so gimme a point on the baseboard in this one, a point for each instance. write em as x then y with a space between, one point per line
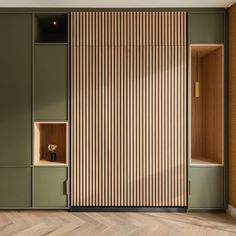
128 209
206 210
231 211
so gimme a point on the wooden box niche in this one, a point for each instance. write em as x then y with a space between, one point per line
207 110
50 133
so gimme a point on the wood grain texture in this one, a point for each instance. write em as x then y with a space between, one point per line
128 108
207 110
50 133
54 223
232 105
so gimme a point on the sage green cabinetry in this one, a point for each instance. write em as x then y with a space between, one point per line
50 187
15 106
50 81
206 189
15 187
33 87
206 27
206 179
51 106
15 89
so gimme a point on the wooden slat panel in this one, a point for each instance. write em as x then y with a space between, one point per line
128 105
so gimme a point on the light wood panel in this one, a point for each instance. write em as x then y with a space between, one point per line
128 108
207 110
232 105
46 133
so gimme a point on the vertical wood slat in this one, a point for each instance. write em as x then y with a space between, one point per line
128 104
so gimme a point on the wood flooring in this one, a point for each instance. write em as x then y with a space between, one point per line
34 223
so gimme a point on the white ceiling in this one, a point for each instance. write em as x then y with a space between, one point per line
117 3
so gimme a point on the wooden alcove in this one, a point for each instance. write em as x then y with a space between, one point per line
207 108
46 133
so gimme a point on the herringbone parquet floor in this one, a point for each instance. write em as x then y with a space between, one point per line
34 223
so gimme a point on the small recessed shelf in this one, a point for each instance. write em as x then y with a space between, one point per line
49 163
51 28
201 161
207 105
46 133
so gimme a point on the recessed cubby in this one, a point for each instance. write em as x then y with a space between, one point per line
207 104
46 133
50 28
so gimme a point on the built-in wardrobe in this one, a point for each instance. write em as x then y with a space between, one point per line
148 109
133 101
207 96
34 91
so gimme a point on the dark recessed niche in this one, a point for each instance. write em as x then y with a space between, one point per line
51 28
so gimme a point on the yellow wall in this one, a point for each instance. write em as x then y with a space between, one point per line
232 106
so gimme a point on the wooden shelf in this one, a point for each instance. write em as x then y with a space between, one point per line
49 163
46 133
201 161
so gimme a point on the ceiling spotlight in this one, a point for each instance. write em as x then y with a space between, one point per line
54 22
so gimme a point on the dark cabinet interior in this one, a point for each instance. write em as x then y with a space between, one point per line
51 28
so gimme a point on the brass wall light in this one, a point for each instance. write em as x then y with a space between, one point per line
197 89
197 84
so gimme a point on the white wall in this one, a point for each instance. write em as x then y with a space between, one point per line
115 3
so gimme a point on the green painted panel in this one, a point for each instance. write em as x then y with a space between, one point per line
207 187
15 89
15 187
50 187
50 82
206 27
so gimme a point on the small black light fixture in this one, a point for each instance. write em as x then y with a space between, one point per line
52 150
54 22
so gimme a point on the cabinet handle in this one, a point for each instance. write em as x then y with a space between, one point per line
67 187
189 188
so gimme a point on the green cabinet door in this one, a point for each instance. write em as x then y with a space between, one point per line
50 82
206 28
50 187
206 187
15 187
15 89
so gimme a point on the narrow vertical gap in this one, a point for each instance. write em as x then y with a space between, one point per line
125 105
138 113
